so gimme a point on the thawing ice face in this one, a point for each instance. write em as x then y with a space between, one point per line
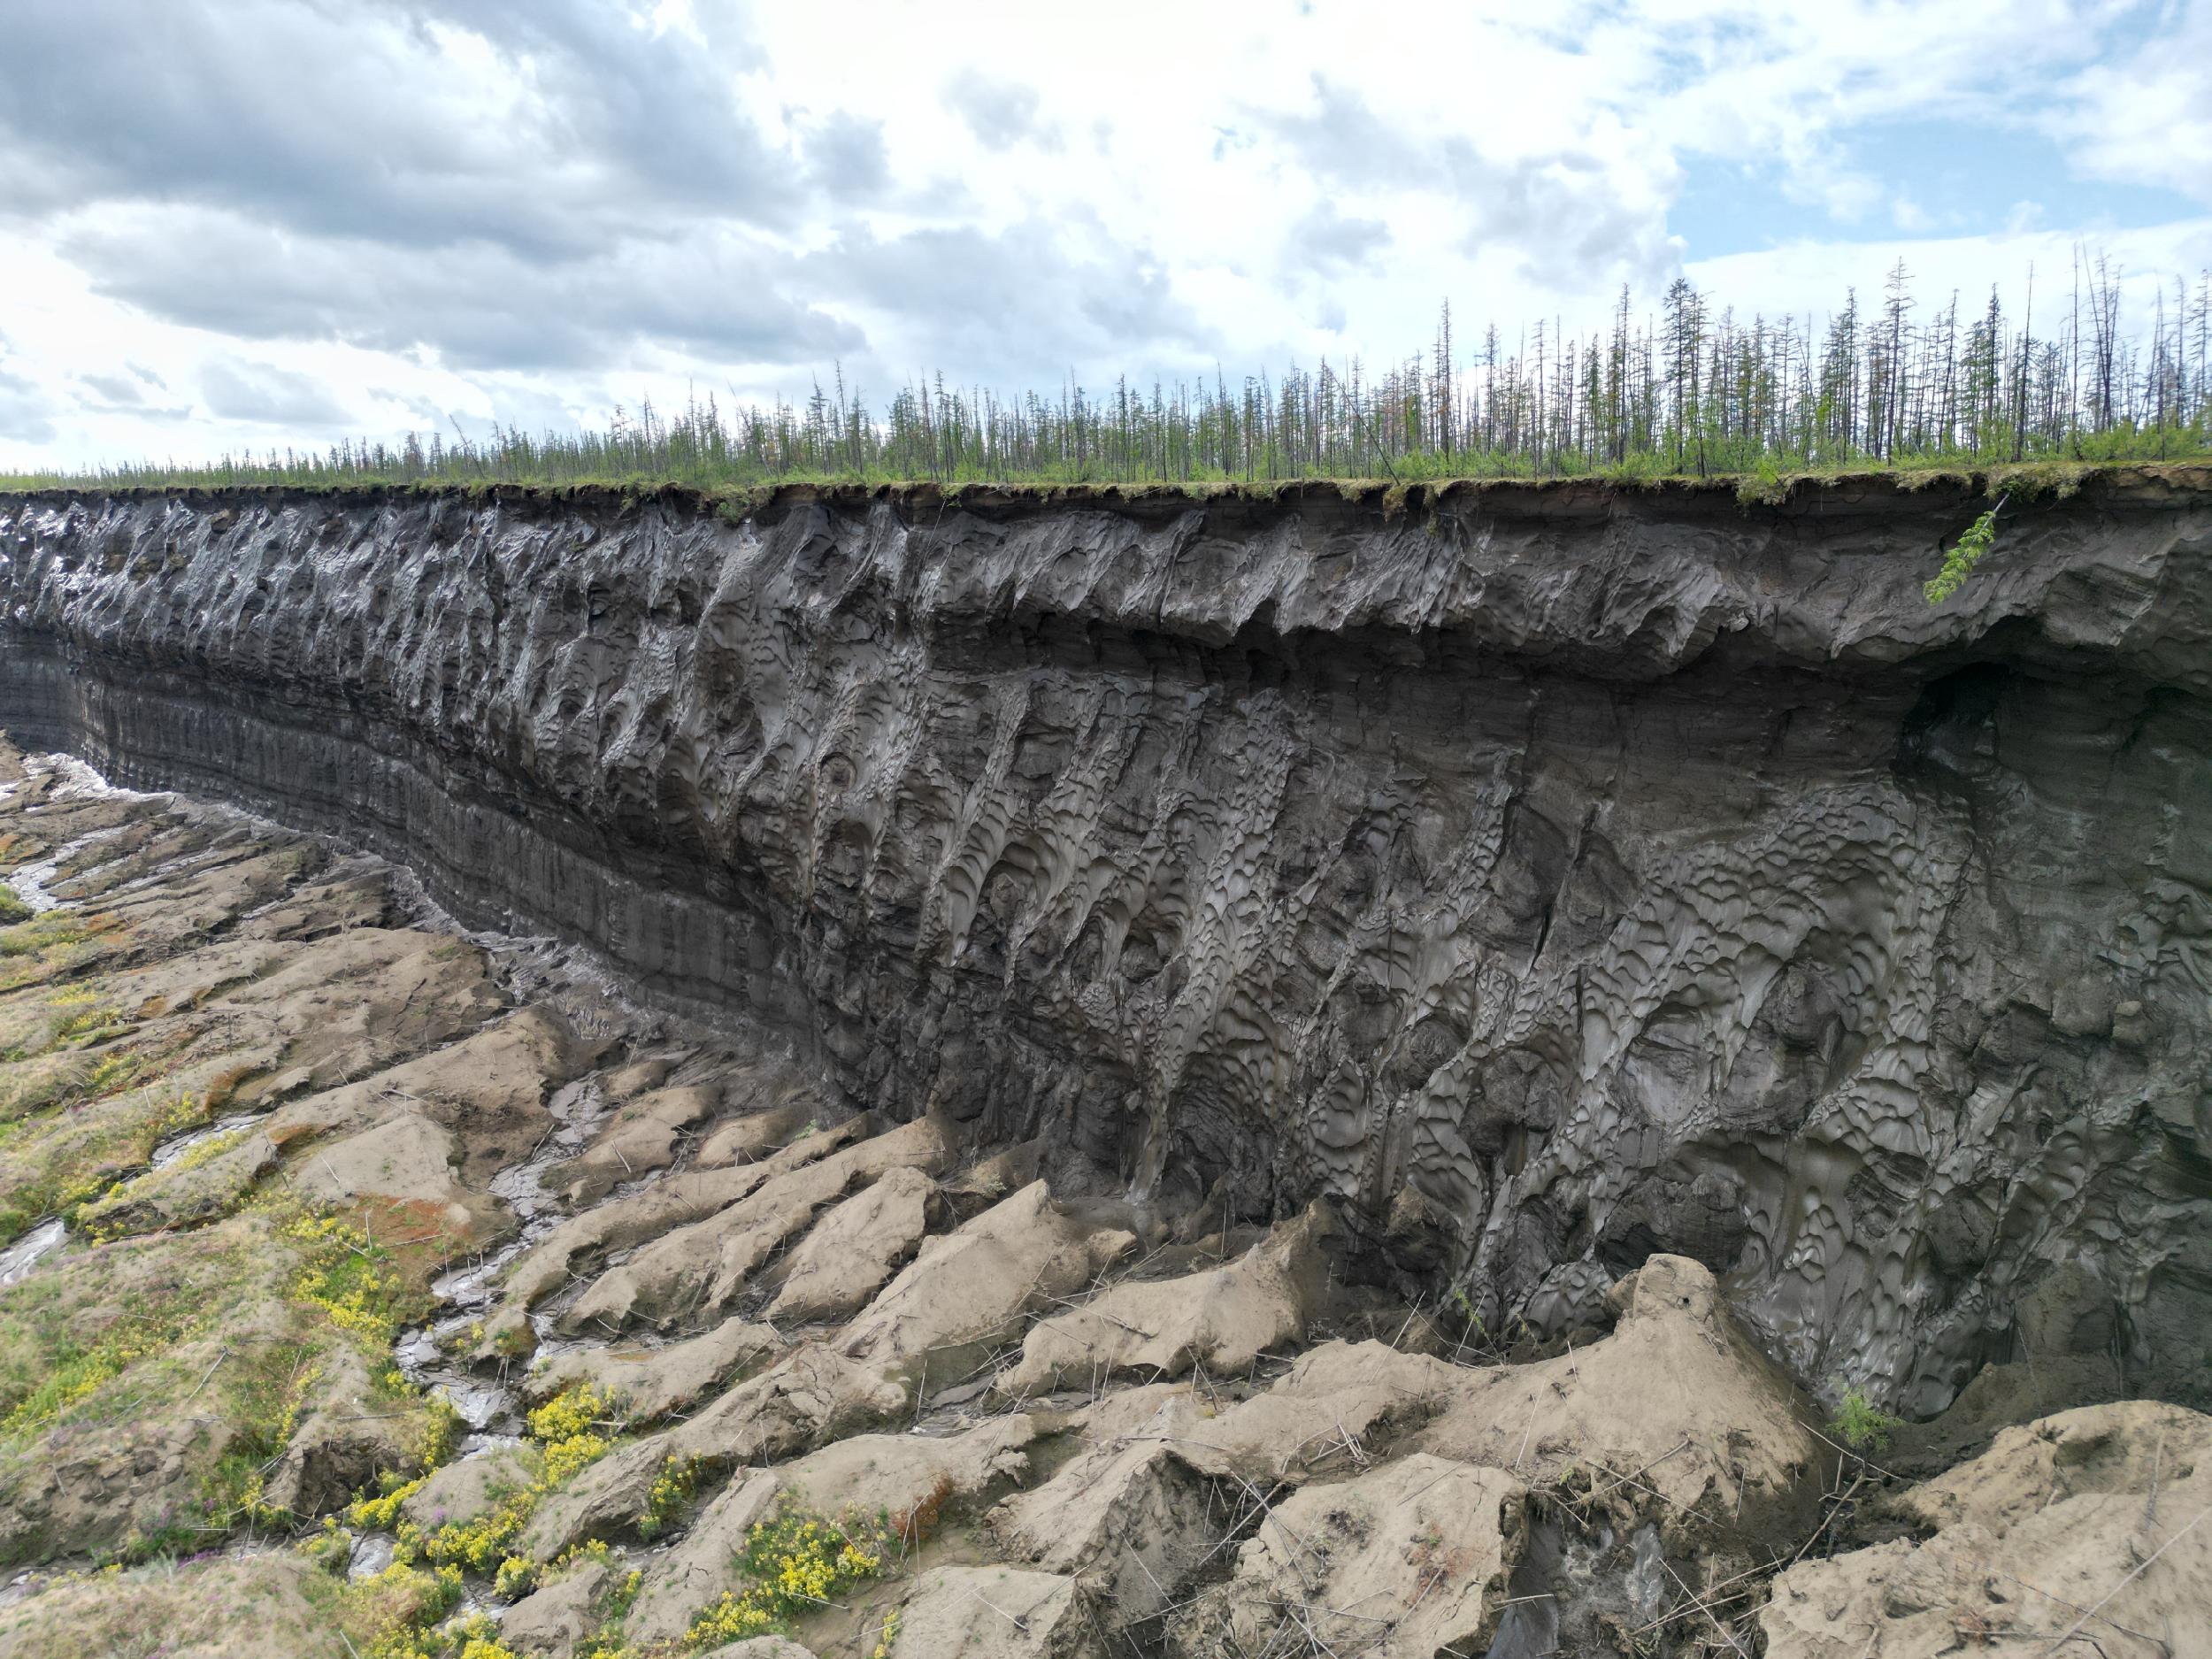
177 1145
75 781
28 1251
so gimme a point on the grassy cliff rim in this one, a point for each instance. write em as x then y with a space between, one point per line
2025 482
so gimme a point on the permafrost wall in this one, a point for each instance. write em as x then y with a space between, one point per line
1552 876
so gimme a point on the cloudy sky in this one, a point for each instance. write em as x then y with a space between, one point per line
229 223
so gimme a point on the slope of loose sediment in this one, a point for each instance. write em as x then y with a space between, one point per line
1402 1563
1221 1320
2090 1531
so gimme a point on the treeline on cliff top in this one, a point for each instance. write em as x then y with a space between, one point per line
1692 389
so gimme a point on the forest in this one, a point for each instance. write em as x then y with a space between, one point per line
1690 388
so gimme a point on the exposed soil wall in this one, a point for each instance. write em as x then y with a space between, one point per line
1553 876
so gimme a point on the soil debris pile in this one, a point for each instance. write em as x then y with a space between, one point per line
2090 1529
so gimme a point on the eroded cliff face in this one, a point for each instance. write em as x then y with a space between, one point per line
1553 877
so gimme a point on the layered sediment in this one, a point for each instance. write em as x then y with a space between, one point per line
1550 878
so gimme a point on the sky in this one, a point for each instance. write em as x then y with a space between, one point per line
234 225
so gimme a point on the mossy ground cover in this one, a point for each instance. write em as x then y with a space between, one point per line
54 945
156 1338
794 1562
77 1113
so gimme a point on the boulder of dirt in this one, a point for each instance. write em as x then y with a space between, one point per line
1675 1410
1221 1320
92 1492
1404 1562
674 1202
760 1647
911 1475
628 1082
464 1491
1997 1397
702 1267
137 1451
2086 1532
915 1478
407 1164
995 1613
208 1182
606 1501
969 1290
698 1567
650 1383
365 999
557 1618
345 1437
425 1135
640 1136
811 1394
490 1089
990 1179
846 1255
751 1138
1337 1403
1128 1515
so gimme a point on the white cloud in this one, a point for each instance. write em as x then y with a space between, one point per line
402 211
2146 118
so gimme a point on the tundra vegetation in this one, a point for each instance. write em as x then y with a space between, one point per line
1688 388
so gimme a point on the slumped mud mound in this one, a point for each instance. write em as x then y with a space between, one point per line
1547 877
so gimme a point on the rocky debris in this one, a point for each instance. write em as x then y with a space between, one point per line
557 1618
1129 1517
346 1436
848 1254
2089 1531
1338 1397
753 1137
643 1136
810 1396
1221 1321
664 1207
915 1478
1405 1562
408 1162
1676 1408
995 1613
473 1488
651 1383
968 1290
700 1268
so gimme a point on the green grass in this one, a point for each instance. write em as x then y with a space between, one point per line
1861 1425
